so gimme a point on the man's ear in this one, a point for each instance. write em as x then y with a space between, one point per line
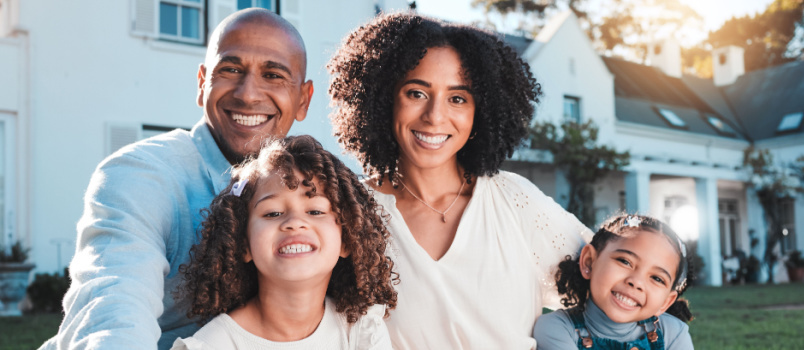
588 257
668 302
306 97
202 71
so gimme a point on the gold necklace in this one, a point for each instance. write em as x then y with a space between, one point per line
443 213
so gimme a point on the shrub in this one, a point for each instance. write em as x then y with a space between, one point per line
47 291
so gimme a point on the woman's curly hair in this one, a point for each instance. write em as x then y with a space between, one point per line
218 280
575 288
375 57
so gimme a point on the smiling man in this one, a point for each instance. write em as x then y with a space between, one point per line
143 205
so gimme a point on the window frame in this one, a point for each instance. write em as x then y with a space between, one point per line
668 121
200 5
577 101
275 6
788 116
726 129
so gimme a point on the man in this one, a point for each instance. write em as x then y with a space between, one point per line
143 205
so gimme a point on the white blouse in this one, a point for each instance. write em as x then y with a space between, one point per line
490 286
334 332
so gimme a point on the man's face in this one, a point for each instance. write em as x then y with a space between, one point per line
252 87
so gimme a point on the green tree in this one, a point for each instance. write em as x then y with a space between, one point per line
772 183
584 162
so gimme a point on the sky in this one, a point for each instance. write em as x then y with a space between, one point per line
714 12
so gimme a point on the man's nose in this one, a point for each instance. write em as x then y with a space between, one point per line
248 89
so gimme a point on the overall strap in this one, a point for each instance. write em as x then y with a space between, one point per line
653 332
578 322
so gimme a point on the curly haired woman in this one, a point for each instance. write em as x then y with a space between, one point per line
432 110
292 256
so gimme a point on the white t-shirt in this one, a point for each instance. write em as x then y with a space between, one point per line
334 332
488 289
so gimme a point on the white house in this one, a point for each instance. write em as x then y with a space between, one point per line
82 78
686 135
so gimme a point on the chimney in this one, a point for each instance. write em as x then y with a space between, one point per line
728 64
666 55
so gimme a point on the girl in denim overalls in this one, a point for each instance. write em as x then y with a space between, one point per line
618 290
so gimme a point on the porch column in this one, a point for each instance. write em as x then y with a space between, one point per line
637 192
708 229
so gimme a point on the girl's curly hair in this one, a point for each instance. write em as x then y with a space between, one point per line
375 57
575 288
217 280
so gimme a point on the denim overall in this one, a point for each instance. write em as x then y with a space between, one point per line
652 340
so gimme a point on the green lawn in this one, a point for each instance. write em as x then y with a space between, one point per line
725 318
737 317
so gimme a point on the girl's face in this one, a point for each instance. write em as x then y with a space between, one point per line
631 279
292 237
433 110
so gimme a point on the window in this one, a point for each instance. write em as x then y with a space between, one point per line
790 122
671 118
266 4
181 20
572 108
720 125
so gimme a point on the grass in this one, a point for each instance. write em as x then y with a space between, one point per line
27 332
737 317
734 317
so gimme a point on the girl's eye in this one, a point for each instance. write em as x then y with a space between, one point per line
316 212
624 261
273 214
659 279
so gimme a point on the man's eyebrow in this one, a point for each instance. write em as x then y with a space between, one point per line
277 65
231 59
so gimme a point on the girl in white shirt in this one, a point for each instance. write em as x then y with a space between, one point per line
292 256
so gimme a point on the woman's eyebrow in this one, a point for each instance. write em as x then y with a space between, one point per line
417 82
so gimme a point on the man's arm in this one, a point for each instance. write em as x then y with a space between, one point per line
120 262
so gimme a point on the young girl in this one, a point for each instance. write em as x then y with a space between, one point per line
633 271
292 256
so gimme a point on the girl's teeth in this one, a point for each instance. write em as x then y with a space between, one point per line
249 120
430 139
625 300
295 249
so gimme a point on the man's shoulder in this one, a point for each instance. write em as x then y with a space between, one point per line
164 148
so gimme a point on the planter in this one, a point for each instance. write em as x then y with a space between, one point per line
796 273
14 279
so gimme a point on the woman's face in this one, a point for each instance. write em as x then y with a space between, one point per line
433 110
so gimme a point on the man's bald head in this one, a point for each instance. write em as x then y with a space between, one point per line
258 16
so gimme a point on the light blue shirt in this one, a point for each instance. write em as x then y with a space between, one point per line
556 331
142 211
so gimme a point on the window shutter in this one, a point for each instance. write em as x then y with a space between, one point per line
219 10
291 11
119 135
144 18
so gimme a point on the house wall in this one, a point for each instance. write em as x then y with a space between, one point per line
88 71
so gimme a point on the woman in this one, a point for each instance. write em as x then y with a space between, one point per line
432 110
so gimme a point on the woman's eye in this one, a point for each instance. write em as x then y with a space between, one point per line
457 99
415 94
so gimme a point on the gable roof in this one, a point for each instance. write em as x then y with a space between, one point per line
641 91
761 99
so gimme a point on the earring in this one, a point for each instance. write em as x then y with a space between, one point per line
586 271
472 136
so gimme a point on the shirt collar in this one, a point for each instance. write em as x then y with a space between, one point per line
217 167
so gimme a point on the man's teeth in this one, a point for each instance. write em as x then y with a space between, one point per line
249 120
625 300
430 139
296 248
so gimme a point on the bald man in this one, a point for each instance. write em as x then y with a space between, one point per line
143 205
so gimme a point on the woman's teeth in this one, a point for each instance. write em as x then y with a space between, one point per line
434 140
295 249
249 120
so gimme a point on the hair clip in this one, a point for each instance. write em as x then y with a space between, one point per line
238 187
682 247
633 221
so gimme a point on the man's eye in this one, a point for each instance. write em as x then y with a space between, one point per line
273 76
230 70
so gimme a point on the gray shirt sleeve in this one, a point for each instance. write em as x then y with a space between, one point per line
555 331
676 333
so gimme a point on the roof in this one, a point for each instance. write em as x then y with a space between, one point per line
763 97
642 91
519 43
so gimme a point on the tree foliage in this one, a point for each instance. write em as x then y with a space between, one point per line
584 162
772 183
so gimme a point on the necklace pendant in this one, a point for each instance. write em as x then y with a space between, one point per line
444 218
